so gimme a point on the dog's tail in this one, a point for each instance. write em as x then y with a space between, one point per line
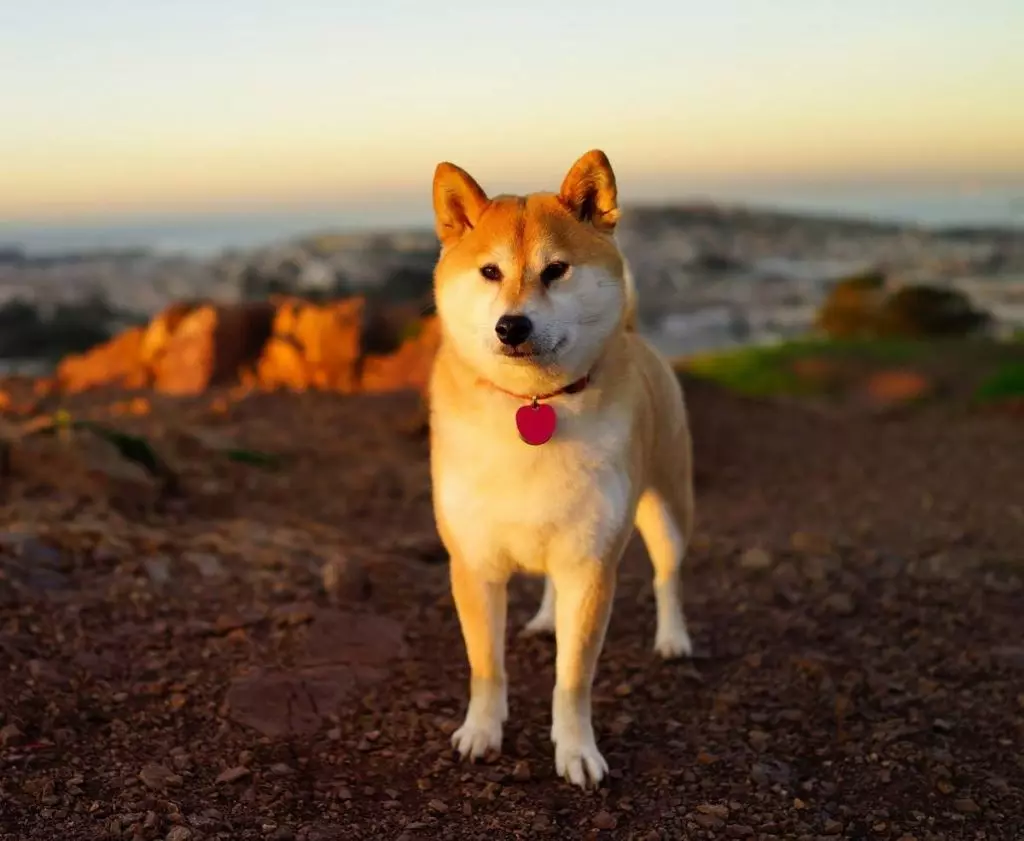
630 317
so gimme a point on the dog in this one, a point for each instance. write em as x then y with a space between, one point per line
555 429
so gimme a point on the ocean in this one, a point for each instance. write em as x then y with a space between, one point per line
206 234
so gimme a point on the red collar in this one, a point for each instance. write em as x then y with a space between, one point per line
573 388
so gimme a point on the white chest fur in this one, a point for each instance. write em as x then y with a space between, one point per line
511 506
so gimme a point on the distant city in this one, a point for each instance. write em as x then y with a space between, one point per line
708 275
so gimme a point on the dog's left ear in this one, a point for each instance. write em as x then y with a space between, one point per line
458 202
589 191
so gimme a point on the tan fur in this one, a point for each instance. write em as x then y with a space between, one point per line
620 458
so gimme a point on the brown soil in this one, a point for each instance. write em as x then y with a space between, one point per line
177 670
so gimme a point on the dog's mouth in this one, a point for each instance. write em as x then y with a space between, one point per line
530 351
517 353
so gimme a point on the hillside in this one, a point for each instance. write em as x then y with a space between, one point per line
267 649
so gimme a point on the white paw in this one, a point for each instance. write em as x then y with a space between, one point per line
577 758
542 623
477 736
673 642
580 763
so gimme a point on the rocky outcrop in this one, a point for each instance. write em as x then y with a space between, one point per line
314 346
118 362
344 346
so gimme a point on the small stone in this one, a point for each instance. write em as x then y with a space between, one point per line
810 543
345 579
755 558
233 775
604 820
521 772
209 566
159 777
541 823
840 604
10 735
283 833
966 804
438 806
179 833
719 810
758 739
158 569
833 827
734 830
708 821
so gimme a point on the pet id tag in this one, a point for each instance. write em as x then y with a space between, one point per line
536 423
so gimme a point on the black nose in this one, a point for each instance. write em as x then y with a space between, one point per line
513 330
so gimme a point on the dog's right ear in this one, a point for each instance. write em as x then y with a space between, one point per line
458 203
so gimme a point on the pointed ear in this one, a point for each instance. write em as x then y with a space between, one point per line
458 202
589 191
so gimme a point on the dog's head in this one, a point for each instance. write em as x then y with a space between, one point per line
530 288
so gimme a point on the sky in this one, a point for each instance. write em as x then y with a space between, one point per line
125 106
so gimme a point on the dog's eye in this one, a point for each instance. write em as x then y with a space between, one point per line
491 272
553 271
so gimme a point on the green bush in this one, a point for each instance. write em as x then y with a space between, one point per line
1006 383
859 308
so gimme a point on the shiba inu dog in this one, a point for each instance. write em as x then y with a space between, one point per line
555 429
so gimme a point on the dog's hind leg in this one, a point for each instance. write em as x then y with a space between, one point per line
543 621
664 518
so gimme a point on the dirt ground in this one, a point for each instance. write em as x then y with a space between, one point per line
274 653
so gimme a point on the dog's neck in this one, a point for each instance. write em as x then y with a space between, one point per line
523 386
574 387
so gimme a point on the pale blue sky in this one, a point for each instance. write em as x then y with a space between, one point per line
113 106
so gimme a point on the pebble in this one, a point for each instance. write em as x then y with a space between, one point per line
719 810
438 806
604 820
345 579
706 821
179 833
840 604
209 566
541 823
755 558
10 735
158 569
233 775
521 772
159 777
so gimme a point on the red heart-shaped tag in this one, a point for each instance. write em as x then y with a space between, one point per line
536 423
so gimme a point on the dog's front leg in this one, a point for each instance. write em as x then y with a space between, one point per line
583 603
482 607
